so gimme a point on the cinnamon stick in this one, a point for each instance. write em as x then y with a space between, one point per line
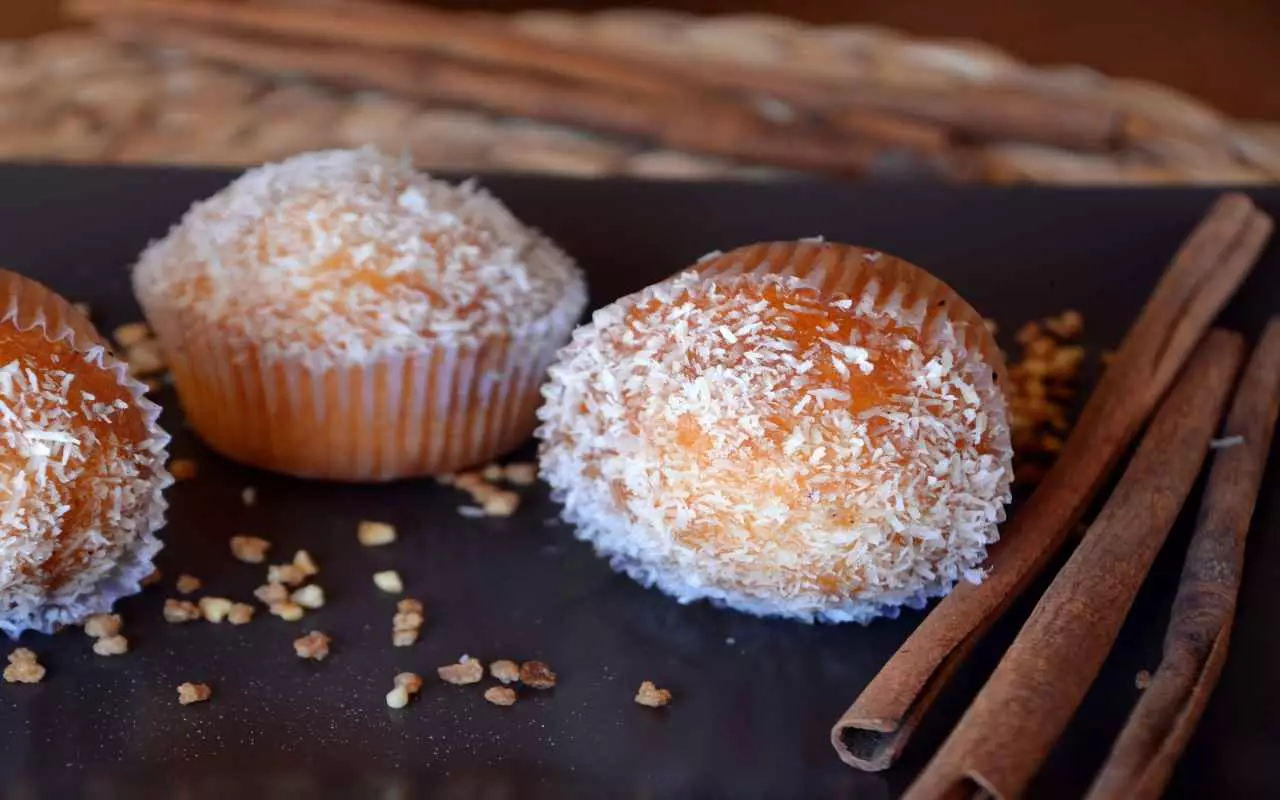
1004 737
1195 645
1206 271
702 126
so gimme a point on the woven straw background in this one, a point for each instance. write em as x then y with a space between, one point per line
76 96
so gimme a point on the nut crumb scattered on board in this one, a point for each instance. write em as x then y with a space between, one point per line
23 667
398 697
189 693
144 359
375 534
215 609
411 681
187 584
288 611
303 561
500 695
288 574
1040 391
131 333
315 646
1142 680
183 469
250 549
388 581
407 622
651 696
240 614
522 474
311 597
466 671
500 504
492 472
180 611
249 496
270 594
537 675
101 625
111 645
505 670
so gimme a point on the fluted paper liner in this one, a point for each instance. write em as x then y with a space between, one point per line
441 408
26 305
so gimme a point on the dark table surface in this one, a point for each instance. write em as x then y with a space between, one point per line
754 699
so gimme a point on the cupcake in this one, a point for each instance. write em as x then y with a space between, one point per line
341 316
797 429
81 469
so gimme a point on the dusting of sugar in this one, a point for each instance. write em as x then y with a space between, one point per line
346 256
753 471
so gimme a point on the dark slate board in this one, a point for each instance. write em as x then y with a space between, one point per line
754 698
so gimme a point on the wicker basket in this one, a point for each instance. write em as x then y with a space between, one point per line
79 96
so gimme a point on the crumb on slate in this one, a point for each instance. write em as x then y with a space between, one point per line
537 675
375 534
505 670
500 695
466 671
651 696
102 625
189 693
23 667
187 584
250 549
315 646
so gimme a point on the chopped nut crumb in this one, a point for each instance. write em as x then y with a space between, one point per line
388 581
537 675
505 671
500 695
144 359
464 672
315 646
131 333
270 594
501 504
303 561
407 622
289 612
215 609
398 697
447 479
23 667
375 534
183 469
101 625
187 584
492 472
152 578
180 611
469 481
1142 680
240 613
250 549
309 597
522 474
288 574
111 645
1067 325
189 693
249 496
411 682
651 696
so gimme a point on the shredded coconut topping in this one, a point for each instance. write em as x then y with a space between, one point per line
348 255
757 442
80 473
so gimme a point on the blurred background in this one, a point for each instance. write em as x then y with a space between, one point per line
1149 90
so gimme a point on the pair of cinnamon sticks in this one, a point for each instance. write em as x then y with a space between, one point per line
1004 737
845 124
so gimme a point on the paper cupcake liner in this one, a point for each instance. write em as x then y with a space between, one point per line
878 284
26 305
444 408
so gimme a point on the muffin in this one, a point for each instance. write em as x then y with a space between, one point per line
81 469
341 316
797 429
